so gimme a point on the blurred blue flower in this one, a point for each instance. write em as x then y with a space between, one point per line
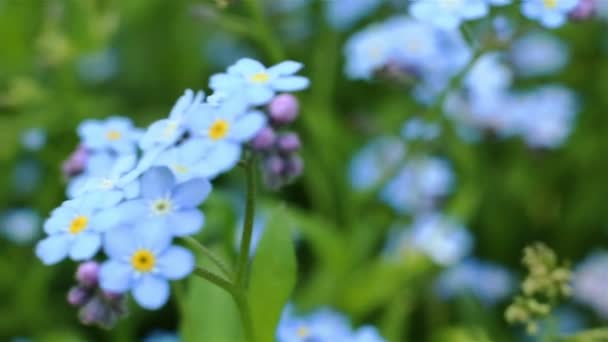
538 54
342 14
257 82
27 176
221 48
374 162
419 185
589 283
366 334
550 13
162 336
225 128
75 229
488 282
34 139
418 128
142 260
98 67
367 51
115 134
166 132
448 14
20 226
174 205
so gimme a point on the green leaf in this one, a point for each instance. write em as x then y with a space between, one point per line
273 275
209 312
595 335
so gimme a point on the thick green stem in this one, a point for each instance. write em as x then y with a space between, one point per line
194 244
243 263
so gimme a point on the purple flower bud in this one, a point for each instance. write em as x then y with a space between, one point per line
88 274
274 165
283 109
78 296
294 166
112 296
583 10
264 140
289 142
76 162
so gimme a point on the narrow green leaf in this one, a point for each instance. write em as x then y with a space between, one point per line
273 275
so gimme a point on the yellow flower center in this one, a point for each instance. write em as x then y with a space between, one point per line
450 4
303 332
550 4
79 223
143 261
181 169
260 77
219 129
162 207
113 135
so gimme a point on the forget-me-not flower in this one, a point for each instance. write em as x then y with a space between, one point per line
375 161
448 14
20 225
550 13
194 159
538 54
116 134
75 229
142 260
174 205
258 83
321 325
589 283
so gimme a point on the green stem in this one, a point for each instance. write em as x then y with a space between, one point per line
195 244
215 279
243 305
262 29
243 263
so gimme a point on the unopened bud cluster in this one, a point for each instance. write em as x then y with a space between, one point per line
97 307
548 281
278 146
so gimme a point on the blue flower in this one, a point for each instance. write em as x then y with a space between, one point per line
194 159
342 14
257 82
34 139
375 161
448 14
116 134
174 205
550 13
323 325
589 283
142 260
166 132
538 54
366 334
20 225
419 129
225 128
75 229
162 336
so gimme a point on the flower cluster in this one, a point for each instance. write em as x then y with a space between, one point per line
132 191
323 325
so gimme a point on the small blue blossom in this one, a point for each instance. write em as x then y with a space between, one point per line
115 134
589 283
419 129
75 229
225 128
162 336
342 14
20 226
375 161
34 139
166 132
174 205
538 54
550 13
258 83
142 260
448 14
366 334
488 282
98 67
323 325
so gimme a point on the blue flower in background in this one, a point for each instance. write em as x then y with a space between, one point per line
166 132
34 139
75 229
174 205
550 13
323 325
487 281
589 283
258 83
419 185
116 134
225 128
366 334
342 14
98 67
162 336
374 162
448 14
539 54
20 226
420 129
142 260
367 51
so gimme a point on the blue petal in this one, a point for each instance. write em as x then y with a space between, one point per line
60 219
157 182
151 292
246 66
188 222
245 128
176 263
285 68
127 212
192 193
115 276
259 95
85 246
119 243
224 156
291 83
53 249
225 82
154 235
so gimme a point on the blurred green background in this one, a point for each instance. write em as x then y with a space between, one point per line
64 61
